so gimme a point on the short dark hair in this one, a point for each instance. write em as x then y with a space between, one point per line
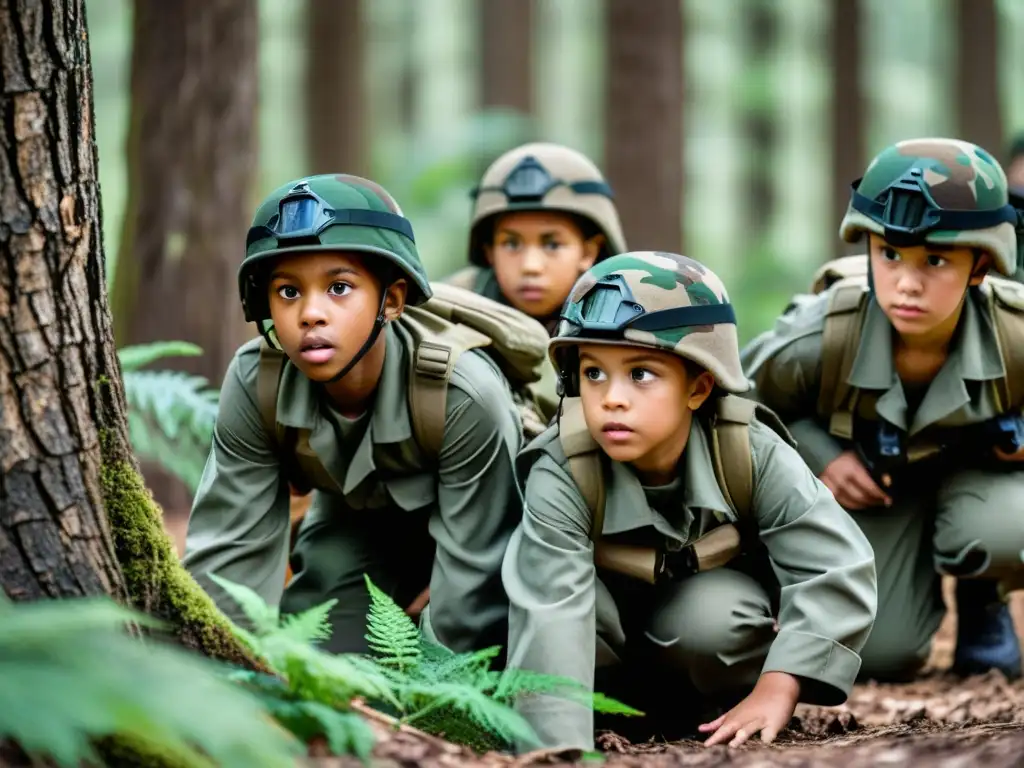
586 226
1017 147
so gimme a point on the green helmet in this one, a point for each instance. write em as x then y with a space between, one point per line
543 176
939 191
330 212
651 299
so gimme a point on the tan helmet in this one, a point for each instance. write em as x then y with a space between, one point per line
543 176
651 299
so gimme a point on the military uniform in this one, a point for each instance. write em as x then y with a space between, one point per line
381 507
957 515
714 629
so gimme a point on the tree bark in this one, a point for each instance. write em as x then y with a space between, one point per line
644 119
336 104
506 74
761 32
75 519
191 154
977 74
847 105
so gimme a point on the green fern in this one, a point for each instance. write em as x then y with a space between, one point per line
391 633
136 356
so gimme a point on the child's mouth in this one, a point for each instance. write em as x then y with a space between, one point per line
316 350
616 432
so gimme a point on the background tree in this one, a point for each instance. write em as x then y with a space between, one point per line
75 518
847 105
977 74
644 119
191 155
506 55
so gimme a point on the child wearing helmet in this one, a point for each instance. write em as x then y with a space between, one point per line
903 387
330 265
671 534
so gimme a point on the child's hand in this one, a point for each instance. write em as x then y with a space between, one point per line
415 608
1018 456
767 709
851 483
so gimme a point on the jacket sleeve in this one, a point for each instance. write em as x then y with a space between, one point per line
479 504
550 579
787 381
825 568
238 528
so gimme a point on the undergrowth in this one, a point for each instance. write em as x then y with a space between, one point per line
454 695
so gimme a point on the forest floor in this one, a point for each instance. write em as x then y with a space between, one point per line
940 720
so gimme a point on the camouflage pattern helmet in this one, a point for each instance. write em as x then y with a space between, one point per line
937 191
544 176
330 212
655 300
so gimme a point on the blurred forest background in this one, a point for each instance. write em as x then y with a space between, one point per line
729 129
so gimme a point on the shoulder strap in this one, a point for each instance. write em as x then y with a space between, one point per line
839 344
585 463
268 376
1007 308
730 451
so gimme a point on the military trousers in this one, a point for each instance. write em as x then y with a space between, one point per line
336 545
971 525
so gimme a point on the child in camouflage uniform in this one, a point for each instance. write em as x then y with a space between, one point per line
330 264
647 354
903 389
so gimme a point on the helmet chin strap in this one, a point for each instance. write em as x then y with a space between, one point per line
378 325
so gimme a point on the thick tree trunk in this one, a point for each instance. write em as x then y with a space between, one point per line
336 105
847 105
644 119
506 74
759 126
977 69
191 152
75 519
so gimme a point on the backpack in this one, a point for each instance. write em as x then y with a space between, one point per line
847 279
453 321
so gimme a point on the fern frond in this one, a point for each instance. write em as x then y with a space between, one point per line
494 716
391 633
470 668
346 732
135 356
513 684
310 625
264 618
176 401
185 457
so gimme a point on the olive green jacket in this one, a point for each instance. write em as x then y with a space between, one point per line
239 526
785 365
822 562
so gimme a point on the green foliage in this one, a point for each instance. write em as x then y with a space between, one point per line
453 695
171 414
71 675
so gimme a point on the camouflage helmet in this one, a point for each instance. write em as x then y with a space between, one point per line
938 191
656 300
543 176
330 212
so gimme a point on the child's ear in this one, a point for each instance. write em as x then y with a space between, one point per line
981 268
700 390
394 301
591 250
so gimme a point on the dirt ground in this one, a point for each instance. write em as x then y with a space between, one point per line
937 721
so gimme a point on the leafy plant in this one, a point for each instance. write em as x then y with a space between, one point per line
449 694
71 675
171 414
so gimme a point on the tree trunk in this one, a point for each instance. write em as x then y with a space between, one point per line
336 104
191 154
847 106
75 519
977 70
644 120
506 73
759 126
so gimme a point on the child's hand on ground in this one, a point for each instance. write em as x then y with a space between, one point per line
1018 456
415 608
767 709
852 484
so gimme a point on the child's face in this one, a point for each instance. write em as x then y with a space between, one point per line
537 257
921 288
639 404
324 306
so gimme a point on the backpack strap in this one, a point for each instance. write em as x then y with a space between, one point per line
1006 306
284 440
585 462
840 341
730 452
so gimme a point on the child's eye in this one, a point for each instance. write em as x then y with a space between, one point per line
934 260
642 375
339 289
509 244
552 245
288 292
593 373
889 254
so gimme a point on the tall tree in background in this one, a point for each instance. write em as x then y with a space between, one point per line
847 104
644 119
191 155
336 108
507 54
977 74
75 519
760 35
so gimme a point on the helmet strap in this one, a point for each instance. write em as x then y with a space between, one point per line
378 325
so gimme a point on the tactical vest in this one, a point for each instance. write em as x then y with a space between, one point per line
453 321
847 277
